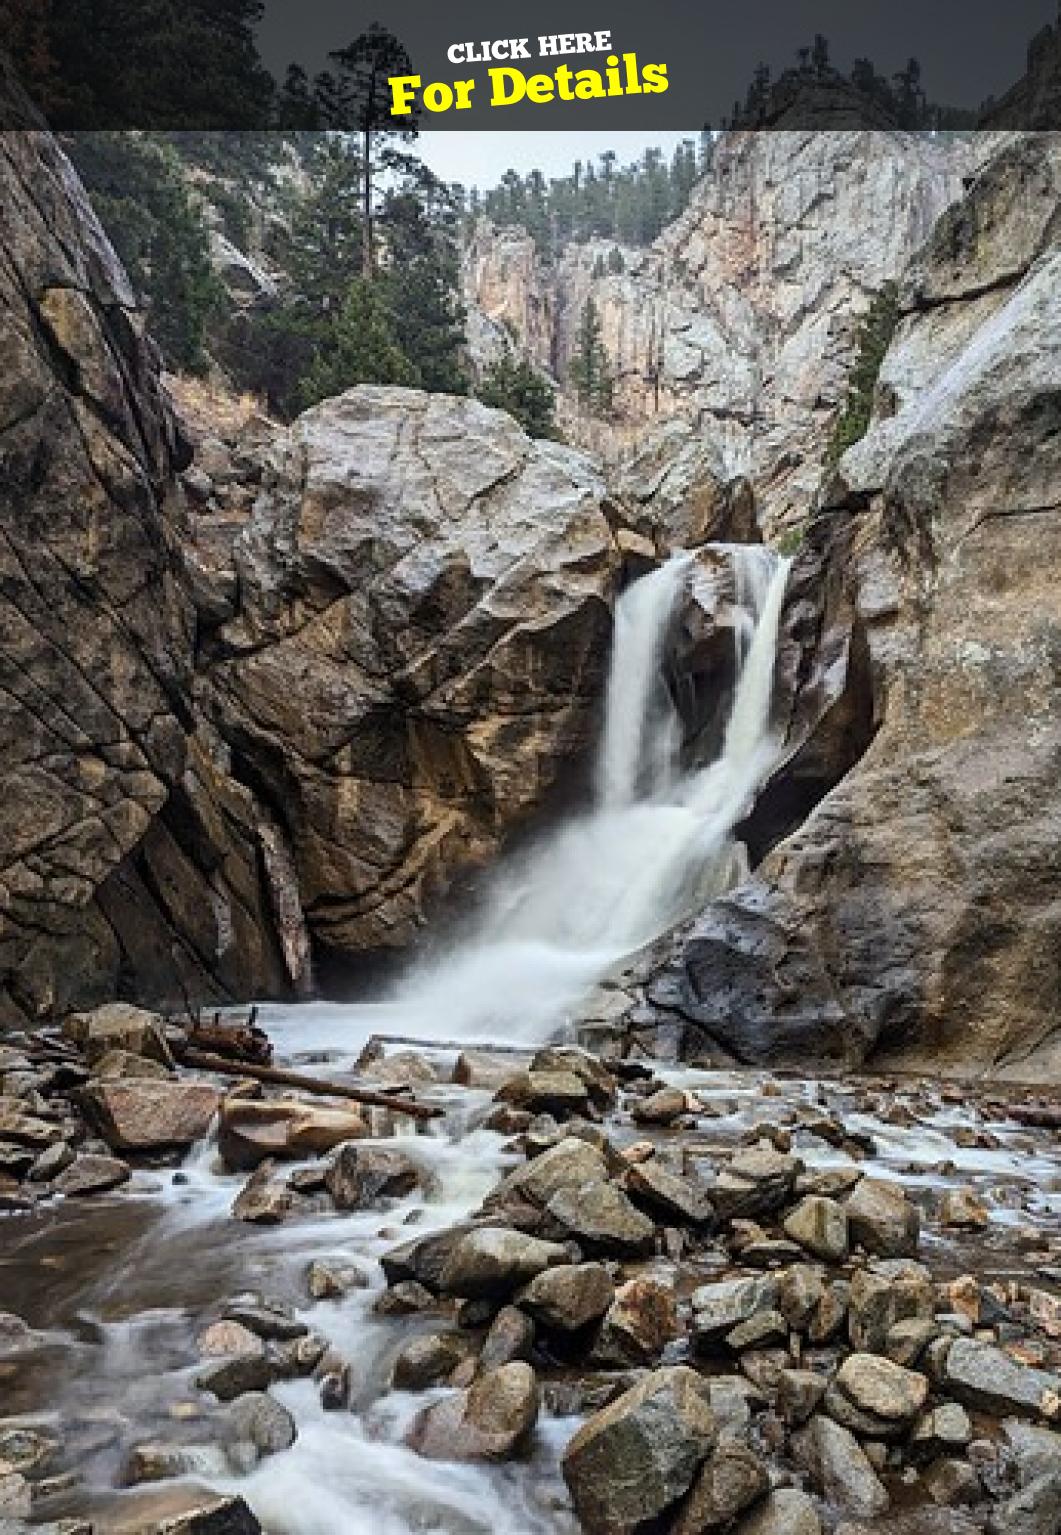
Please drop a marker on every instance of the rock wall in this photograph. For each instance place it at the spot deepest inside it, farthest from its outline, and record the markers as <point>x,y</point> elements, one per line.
<point>915,916</point>
<point>417,660</point>
<point>738,322</point>
<point>130,860</point>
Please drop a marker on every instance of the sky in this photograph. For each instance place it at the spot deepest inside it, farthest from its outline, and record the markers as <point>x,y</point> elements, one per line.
<point>481,159</point>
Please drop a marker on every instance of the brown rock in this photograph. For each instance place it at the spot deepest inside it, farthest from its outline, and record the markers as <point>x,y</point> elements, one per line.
<point>249,1131</point>
<point>151,1116</point>
<point>487,1422</point>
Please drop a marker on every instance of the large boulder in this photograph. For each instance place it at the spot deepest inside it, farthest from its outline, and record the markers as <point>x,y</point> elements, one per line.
<point>132,861</point>
<point>914,915</point>
<point>418,659</point>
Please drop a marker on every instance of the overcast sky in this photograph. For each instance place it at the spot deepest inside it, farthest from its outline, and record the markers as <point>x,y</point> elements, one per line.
<point>481,159</point>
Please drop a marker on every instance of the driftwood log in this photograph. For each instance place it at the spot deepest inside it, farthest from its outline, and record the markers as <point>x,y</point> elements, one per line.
<point>325,1087</point>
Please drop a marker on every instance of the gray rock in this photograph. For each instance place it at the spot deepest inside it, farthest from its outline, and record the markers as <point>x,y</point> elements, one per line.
<point>258,1421</point>
<point>570,1297</point>
<point>732,1480</point>
<point>230,1378</point>
<point>883,1219</point>
<point>1034,1510</point>
<point>785,1511</point>
<point>88,1174</point>
<point>366,1177</point>
<point>819,1225</point>
<point>668,1195</point>
<point>985,1377</point>
<point>600,1216</point>
<point>718,1308</point>
<point>632,1461</point>
<point>876,1385</point>
<point>487,1422</point>
<point>491,1261</point>
<point>510,1337</point>
<point>428,1360</point>
<point>839,1468</point>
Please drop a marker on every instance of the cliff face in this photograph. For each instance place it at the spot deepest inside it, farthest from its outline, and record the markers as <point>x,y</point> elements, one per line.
<point>131,861</point>
<point>738,321</point>
<point>914,917</point>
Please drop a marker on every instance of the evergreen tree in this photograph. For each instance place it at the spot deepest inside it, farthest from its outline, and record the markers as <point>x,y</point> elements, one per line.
<point>362,347</point>
<point>363,103</point>
<point>138,190</point>
<point>421,279</point>
<point>616,264</point>
<point>520,389</point>
<point>874,338</point>
<point>591,371</point>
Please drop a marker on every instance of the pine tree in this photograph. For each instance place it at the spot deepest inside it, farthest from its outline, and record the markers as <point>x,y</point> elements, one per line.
<point>591,371</point>
<point>362,348</point>
<point>874,338</point>
<point>521,390</point>
<point>421,282</point>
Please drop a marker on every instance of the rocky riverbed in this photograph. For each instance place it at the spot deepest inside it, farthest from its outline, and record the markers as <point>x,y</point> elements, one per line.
<point>592,1294</point>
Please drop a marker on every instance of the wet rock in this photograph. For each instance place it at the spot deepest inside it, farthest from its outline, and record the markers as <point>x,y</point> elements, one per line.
<point>119,1065</point>
<point>757,1181</point>
<point>732,1479</point>
<point>510,1337</point>
<point>883,1219</point>
<point>951,1483</point>
<point>26,1450</point>
<point>763,1330</point>
<point>600,1216</point>
<point>225,1340</point>
<point>668,1195</point>
<point>985,1377</point>
<point>839,1468</point>
<point>830,1314</point>
<point>257,1425</point>
<point>819,1225</point>
<point>907,1341</point>
<point>1034,1510</point>
<point>428,1360</point>
<point>119,1026</point>
<point>494,1261</point>
<point>599,1081</point>
<point>182,1510</point>
<point>424,1258</point>
<point>49,1164</point>
<point>406,1298</point>
<point>570,1165</point>
<point>89,1174</point>
<point>332,1278</point>
<point>273,1321</point>
<point>1033,1450</point>
<point>229,1378</point>
<point>882,1295</point>
<point>634,1460</point>
<point>151,1116</point>
<point>252,1130</point>
<point>489,1421</point>
<point>718,1308</point>
<point>400,1068</point>
<point>482,1069</point>
<point>551,1092</point>
<point>570,1297</point>
<point>16,1497</point>
<point>263,1200</point>
<point>366,1177</point>
<point>641,1321</point>
<point>944,1429</point>
<point>961,1209</point>
<point>662,1107</point>
<point>785,1511</point>
<point>876,1385</point>
<point>800,1292</point>
<point>799,1395</point>
<point>335,1388</point>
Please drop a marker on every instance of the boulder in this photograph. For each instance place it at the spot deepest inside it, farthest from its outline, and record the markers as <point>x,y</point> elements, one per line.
<point>569,1298</point>
<point>263,1200</point>
<point>986,1378</point>
<point>1033,1510</point>
<point>493,1261</point>
<point>640,1322</point>
<point>428,1360</point>
<point>632,1462</point>
<point>839,1468</point>
<point>668,1195</point>
<point>883,1219</point>
<point>877,1386</point>
<point>660,1108</point>
<point>509,1337</point>
<point>757,1181</point>
<point>90,1174</point>
<point>364,1177</point>
<point>883,1295</point>
<point>489,1421</point>
<point>785,1511</point>
<point>732,1479</point>
<point>718,1308</point>
<point>142,1115</point>
<point>257,1425</point>
<point>568,1165</point>
<point>601,1218</point>
<point>252,1129</point>
<point>182,1510</point>
<point>119,1026</point>
<point>545,1092</point>
<point>821,1226</point>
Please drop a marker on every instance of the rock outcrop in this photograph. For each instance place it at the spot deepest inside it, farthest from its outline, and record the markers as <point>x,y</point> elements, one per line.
<point>131,859</point>
<point>915,916</point>
<point>417,662</point>
<point>738,322</point>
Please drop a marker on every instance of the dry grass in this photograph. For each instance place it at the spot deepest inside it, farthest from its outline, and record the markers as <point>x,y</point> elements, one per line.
<point>209,405</point>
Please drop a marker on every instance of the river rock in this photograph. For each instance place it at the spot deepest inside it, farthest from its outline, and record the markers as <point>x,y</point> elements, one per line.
<point>718,1308</point>
<point>366,1177</point>
<point>26,1129</point>
<point>962,1209</point>
<point>599,1081</point>
<point>274,1321</point>
<point>257,1423</point>
<point>428,1360</point>
<point>757,1181</point>
<point>332,1278</point>
<point>1034,1450</point>
<point>1033,1510</point>
<point>785,1511</point>
<point>120,1065</point>
<point>423,1259</point>
<point>638,1325</point>
<point>669,1195</point>
<point>601,1217</point>
<point>986,1378</point>
<point>487,1422</point>
<point>509,1337</point>
<point>493,1261</point>
<point>570,1297</point>
<point>877,1386</point>
<point>545,1092</point>
<point>235,1375</point>
<point>263,1200</point>
<point>839,1467</point>
<point>799,1394</point>
<point>119,1026</point>
<point>633,1461</point>
<point>660,1108</point>
<point>883,1219</point>
<point>224,1340</point>
<point>88,1174</point>
<point>819,1225</point>
<point>569,1165</point>
<point>182,1510</point>
<point>250,1130</point>
<point>732,1479</point>
<point>145,1116</point>
<point>883,1294</point>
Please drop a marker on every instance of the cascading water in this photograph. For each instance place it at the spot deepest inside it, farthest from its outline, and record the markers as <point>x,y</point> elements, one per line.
<point>656,843</point>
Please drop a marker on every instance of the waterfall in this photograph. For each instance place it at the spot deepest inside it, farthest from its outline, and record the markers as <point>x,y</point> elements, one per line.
<point>656,844</point>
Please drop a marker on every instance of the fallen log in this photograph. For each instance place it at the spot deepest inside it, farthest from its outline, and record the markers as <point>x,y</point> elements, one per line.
<point>325,1087</point>
<point>1037,1116</point>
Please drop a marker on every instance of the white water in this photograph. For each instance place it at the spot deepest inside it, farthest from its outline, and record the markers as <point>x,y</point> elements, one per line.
<point>657,842</point>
